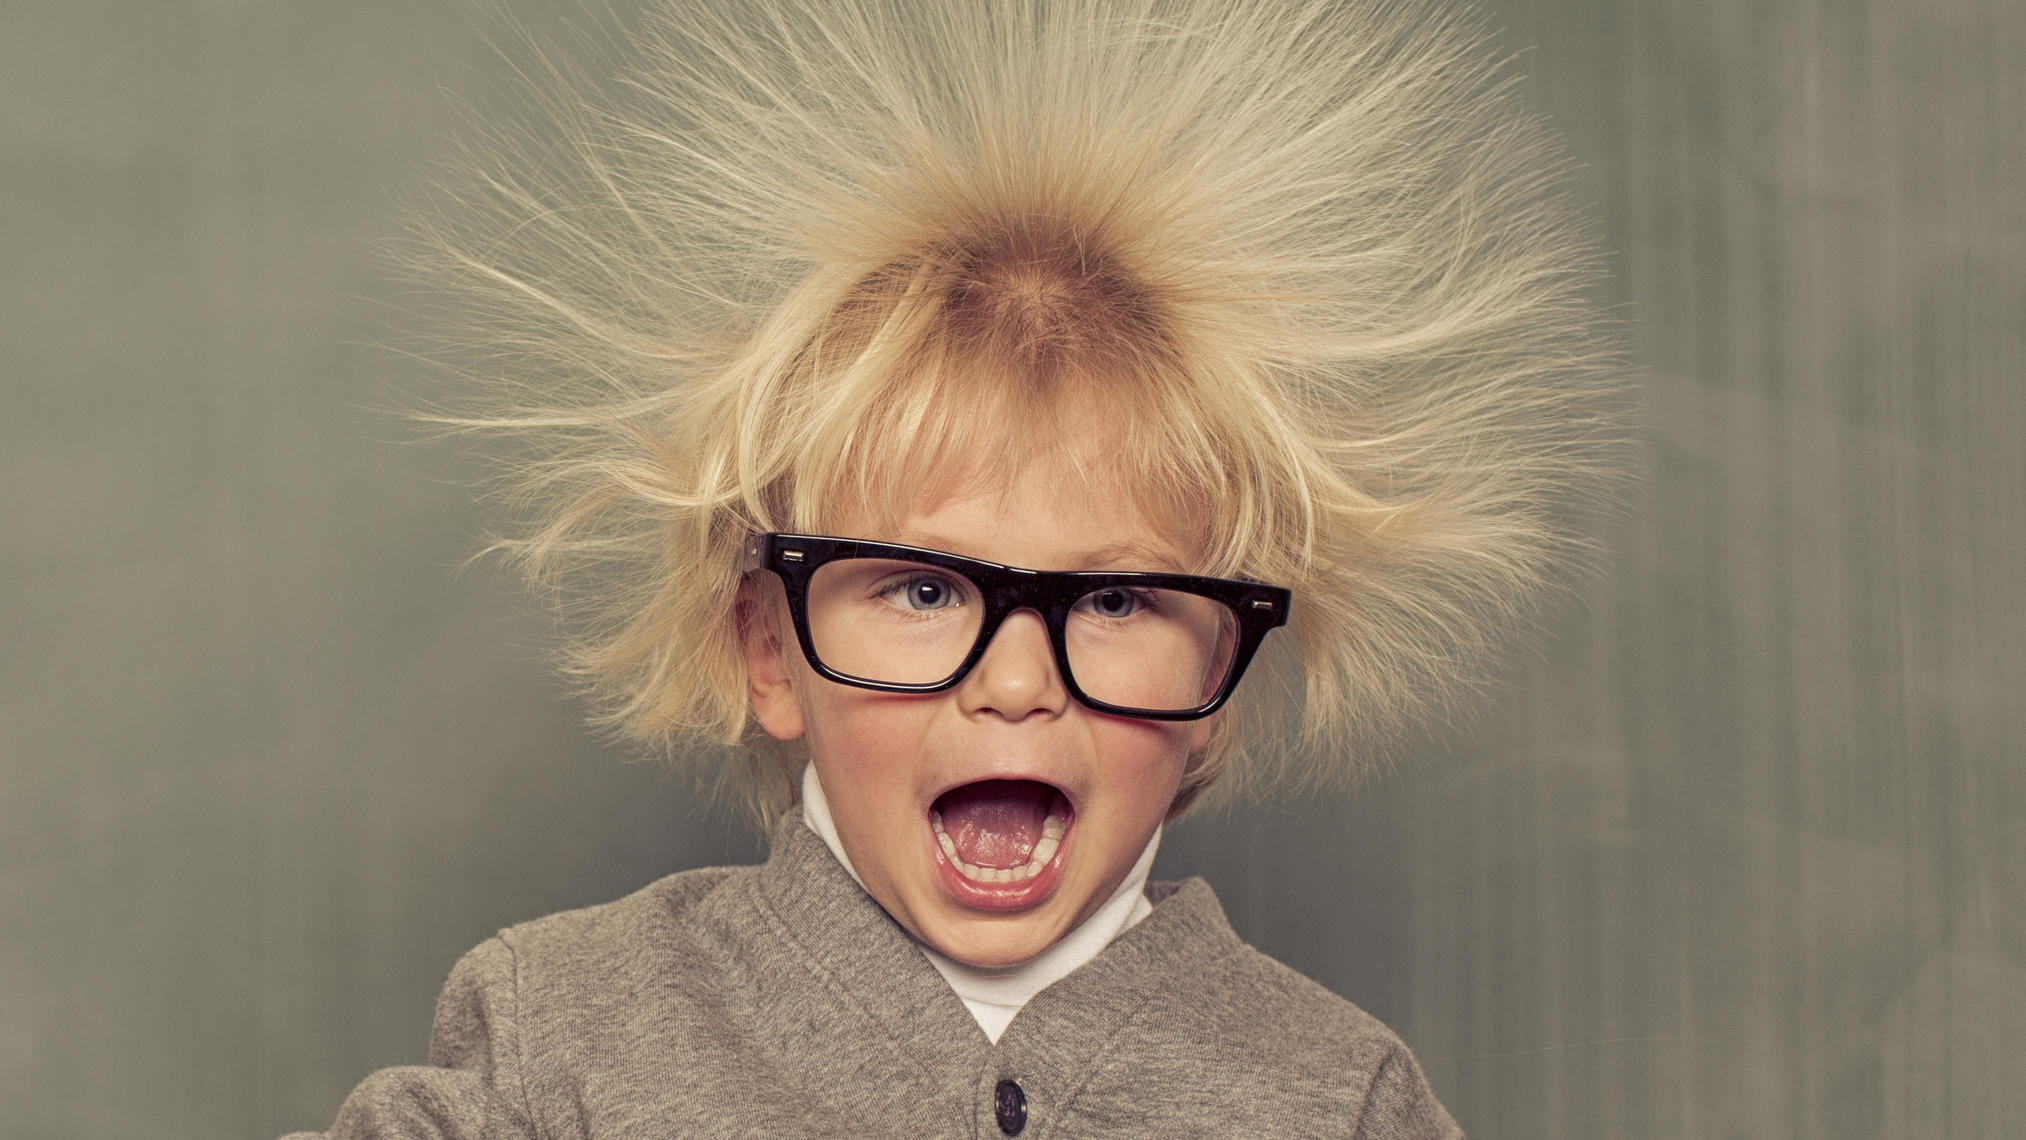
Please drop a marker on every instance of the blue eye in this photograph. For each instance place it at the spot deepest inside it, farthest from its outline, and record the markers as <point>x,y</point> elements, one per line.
<point>1116,602</point>
<point>923,593</point>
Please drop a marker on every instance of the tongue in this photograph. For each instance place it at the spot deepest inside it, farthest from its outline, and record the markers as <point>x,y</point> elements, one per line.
<point>996,823</point>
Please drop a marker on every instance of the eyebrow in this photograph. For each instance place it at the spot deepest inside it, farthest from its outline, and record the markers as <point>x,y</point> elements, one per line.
<point>1110,556</point>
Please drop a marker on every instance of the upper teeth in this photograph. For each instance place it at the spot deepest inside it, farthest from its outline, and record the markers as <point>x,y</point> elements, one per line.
<point>1052,830</point>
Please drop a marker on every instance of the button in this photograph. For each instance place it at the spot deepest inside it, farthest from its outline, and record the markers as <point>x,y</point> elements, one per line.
<point>1010,1105</point>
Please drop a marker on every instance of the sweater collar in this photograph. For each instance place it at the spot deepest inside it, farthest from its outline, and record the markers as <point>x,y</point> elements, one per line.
<point>825,925</point>
<point>994,996</point>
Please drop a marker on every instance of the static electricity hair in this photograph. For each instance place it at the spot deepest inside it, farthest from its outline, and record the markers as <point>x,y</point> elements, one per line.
<point>806,260</point>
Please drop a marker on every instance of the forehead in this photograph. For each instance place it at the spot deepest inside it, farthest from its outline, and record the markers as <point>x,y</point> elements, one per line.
<point>1043,475</point>
<point>1047,515</point>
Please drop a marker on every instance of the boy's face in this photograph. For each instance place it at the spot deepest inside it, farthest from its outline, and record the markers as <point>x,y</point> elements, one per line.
<point>896,768</point>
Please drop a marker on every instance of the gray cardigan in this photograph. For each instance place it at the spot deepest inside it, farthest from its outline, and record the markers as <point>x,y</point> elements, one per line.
<point>781,1001</point>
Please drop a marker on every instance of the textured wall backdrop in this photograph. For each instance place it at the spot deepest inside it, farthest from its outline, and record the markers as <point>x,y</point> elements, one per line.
<point>1740,854</point>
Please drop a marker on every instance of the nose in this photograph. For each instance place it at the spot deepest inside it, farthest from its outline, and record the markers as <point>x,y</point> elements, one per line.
<point>1017,675</point>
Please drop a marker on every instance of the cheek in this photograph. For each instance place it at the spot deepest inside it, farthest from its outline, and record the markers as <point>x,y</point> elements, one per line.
<point>862,740</point>
<point>1145,758</point>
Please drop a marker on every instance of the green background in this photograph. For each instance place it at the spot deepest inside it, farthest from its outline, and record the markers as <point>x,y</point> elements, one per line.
<point>1739,853</point>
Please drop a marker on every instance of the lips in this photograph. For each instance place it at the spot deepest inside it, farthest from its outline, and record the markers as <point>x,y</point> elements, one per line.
<point>999,843</point>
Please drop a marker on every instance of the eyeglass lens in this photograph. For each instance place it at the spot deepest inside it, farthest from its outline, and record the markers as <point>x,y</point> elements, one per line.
<point>910,623</point>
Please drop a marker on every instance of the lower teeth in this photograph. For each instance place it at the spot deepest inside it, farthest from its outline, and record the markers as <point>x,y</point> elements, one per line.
<point>1052,831</point>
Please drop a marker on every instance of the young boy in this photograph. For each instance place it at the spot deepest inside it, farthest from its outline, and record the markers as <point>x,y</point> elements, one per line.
<point>962,394</point>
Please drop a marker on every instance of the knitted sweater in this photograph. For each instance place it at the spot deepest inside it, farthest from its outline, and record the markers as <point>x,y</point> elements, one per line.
<point>781,1001</point>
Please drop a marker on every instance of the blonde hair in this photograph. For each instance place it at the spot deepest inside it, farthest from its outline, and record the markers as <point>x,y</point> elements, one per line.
<point>1310,258</point>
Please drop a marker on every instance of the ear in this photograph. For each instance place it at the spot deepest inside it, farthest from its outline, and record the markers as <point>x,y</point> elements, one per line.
<point>769,686</point>
<point>1202,735</point>
<point>1202,732</point>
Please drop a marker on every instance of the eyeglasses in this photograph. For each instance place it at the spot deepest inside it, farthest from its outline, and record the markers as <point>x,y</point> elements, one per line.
<point>901,619</point>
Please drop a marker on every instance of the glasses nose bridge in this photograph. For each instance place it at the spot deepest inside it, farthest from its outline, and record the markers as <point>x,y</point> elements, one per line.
<point>1019,677</point>
<point>1017,590</point>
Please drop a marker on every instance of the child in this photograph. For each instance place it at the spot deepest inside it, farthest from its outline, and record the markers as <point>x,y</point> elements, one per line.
<point>960,395</point>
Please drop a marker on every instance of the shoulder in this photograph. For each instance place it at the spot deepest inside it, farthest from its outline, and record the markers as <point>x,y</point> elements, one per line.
<point>1222,981</point>
<point>1301,1010</point>
<point>1314,1034</point>
<point>531,1007</point>
<point>611,934</point>
<point>1303,1047</point>
<point>599,970</point>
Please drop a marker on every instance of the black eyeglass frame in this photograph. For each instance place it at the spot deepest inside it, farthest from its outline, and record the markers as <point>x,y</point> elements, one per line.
<point>794,559</point>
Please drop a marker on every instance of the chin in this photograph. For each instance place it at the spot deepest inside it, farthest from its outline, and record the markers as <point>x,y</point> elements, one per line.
<point>998,946</point>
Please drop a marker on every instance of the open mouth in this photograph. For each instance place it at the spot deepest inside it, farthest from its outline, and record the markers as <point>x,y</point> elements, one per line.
<point>1001,833</point>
